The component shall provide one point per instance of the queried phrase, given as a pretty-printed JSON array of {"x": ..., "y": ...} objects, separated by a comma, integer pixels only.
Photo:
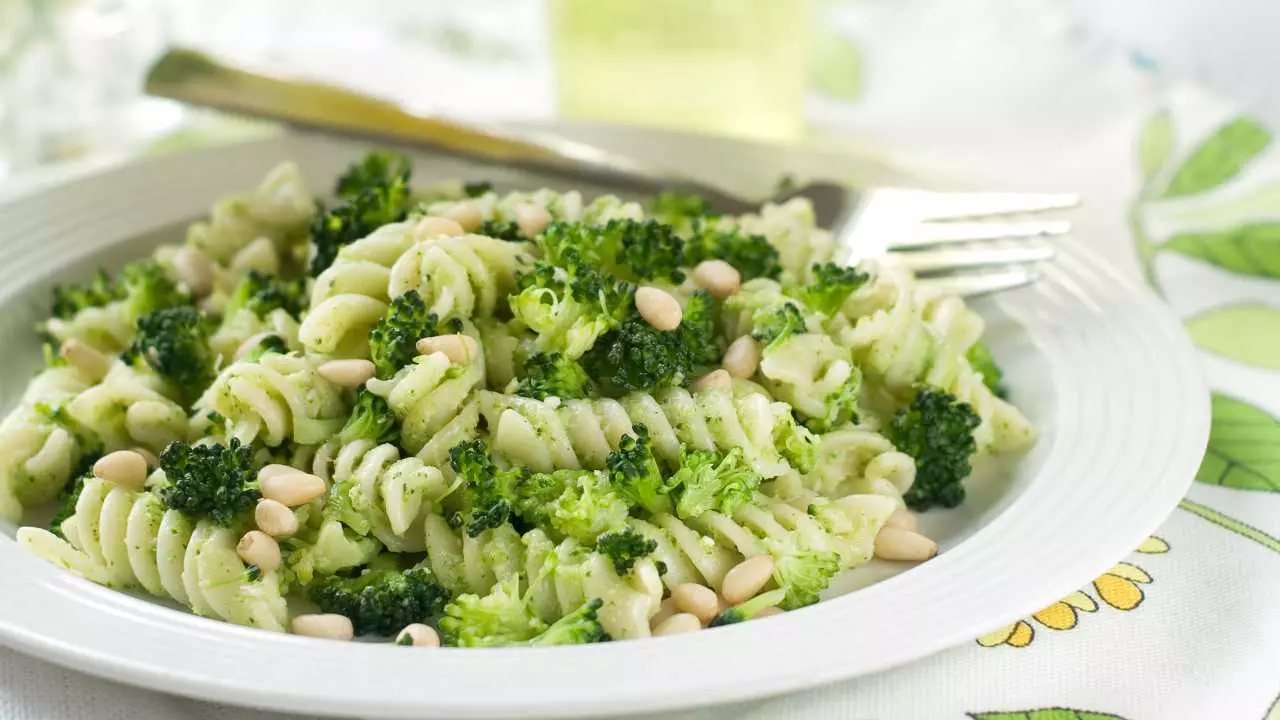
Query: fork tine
[
  {"x": 940, "y": 233},
  {"x": 931, "y": 205},
  {"x": 974, "y": 284},
  {"x": 925, "y": 261}
]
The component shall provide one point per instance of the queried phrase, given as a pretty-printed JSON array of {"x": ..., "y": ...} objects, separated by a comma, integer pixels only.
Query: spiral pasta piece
[
  {"x": 273, "y": 399},
  {"x": 431, "y": 398},
  {"x": 392, "y": 493},
  {"x": 127, "y": 539},
  {"x": 244, "y": 324},
  {"x": 567, "y": 206},
  {"x": 858, "y": 460},
  {"x": 466, "y": 276},
  {"x": 279, "y": 209},
  {"x": 37, "y": 454},
  {"x": 129, "y": 408},
  {"x": 552, "y": 434},
  {"x": 109, "y": 328}
]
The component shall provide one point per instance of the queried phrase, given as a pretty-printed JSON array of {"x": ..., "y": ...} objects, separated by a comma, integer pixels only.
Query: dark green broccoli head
[
  {"x": 371, "y": 419},
  {"x": 633, "y": 250},
  {"x": 381, "y": 602},
  {"x": 773, "y": 326},
  {"x": 393, "y": 340},
  {"x": 70, "y": 299},
  {"x": 477, "y": 189},
  {"x": 144, "y": 284},
  {"x": 487, "y": 491},
  {"x": 502, "y": 230},
  {"x": 577, "y": 628},
  {"x": 831, "y": 286},
  {"x": 372, "y": 193},
  {"x": 624, "y": 547},
  {"x": 751, "y": 255},
  {"x": 674, "y": 207},
  {"x": 937, "y": 430},
  {"x": 581, "y": 504},
  {"x": 214, "y": 482},
  {"x": 709, "y": 481},
  {"x": 638, "y": 357},
  {"x": 65, "y": 504},
  {"x": 377, "y": 169},
  {"x": 175, "y": 343},
  {"x": 553, "y": 375},
  {"x": 981, "y": 359},
  {"x": 268, "y": 344},
  {"x": 635, "y": 473},
  {"x": 260, "y": 293}
]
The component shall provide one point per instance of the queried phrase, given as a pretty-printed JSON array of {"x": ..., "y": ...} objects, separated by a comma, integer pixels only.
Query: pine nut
[
  {"x": 347, "y": 373},
  {"x": 666, "y": 609},
  {"x": 152, "y": 460},
  {"x": 745, "y": 579},
  {"x": 897, "y": 544},
  {"x": 250, "y": 343},
  {"x": 769, "y": 612},
  {"x": 275, "y": 469},
  {"x": 274, "y": 518},
  {"x": 194, "y": 269},
  {"x": 125, "y": 468},
  {"x": 467, "y": 215},
  {"x": 85, "y": 358},
  {"x": 531, "y": 219},
  {"x": 433, "y": 226},
  {"x": 418, "y": 635},
  {"x": 324, "y": 625},
  {"x": 714, "y": 380},
  {"x": 259, "y": 548},
  {"x": 697, "y": 600},
  {"x": 718, "y": 278},
  {"x": 678, "y": 624},
  {"x": 658, "y": 308},
  {"x": 296, "y": 489},
  {"x": 460, "y": 349},
  {"x": 902, "y": 518},
  {"x": 742, "y": 358}
]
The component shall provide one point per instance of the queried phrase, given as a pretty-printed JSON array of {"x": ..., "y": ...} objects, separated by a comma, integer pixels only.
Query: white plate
[{"x": 1105, "y": 374}]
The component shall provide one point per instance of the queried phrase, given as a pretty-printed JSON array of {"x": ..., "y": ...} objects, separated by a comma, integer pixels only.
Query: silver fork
[{"x": 934, "y": 234}]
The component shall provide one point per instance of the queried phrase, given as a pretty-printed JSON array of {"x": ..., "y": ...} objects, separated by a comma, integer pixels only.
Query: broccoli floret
[
  {"x": 708, "y": 481},
  {"x": 634, "y": 472},
  {"x": 371, "y": 419},
  {"x": 488, "y": 491},
  {"x": 832, "y": 285},
  {"x": 674, "y": 207},
  {"x": 65, "y": 504},
  {"x": 631, "y": 249},
  {"x": 937, "y": 430},
  {"x": 372, "y": 193},
  {"x": 570, "y": 306},
  {"x": 751, "y": 255},
  {"x": 801, "y": 573},
  {"x": 580, "y": 504},
  {"x": 750, "y": 608},
  {"x": 554, "y": 375},
  {"x": 381, "y": 602},
  {"x": 981, "y": 359},
  {"x": 393, "y": 340},
  {"x": 217, "y": 482},
  {"x": 639, "y": 357},
  {"x": 70, "y": 299},
  {"x": 477, "y": 189},
  {"x": 260, "y": 293},
  {"x": 624, "y": 547},
  {"x": 502, "y": 230},
  {"x": 345, "y": 503},
  {"x": 143, "y": 284},
  {"x": 175, "y": 343},
  {"x": 772, "y": 327},
  {"x": 502, "y": 617},
  {"x": 268, "y": 344},
  {"x": 577, "y": 628},
  {"x": 798, "y": 446}
]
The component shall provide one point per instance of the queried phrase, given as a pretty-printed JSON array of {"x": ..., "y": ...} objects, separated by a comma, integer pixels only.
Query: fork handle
[{"x": 196, "y": 78}]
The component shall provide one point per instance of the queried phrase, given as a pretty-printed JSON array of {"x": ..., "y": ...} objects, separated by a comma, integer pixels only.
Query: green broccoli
[
  {"x": 635, "y": 473},
  {"x": 502, "y": 230},
  {"x": 268, "y": 344},
  {"x": 346, "y": 503},
  {"x": 802, "y": 574},
  {"x": 752, "y": 256},
  {"x": 674, "y": 207},
  {"x": 70, "y": 299},
  {"x": 749, "y": 609},
  {"x": 624, "y": 547},
  {"x": 373, "y": 192},
  {"x": 477, "y": 189},
  {"x": 394, "y": 339},
  {"x": 579, "y": 627},
  {"x": 638, "y": 357},
  {"x": 832, "y": 285},
  {"x": 175, "y": 343},
  {"x": 580, "y": 504},
  {"x": 980, "y": 357},
  {"x": 68, "y": 496},
  {"x": 797, "y": 445},
  {"x": 488, "y": 491},
  {"x": 260, "y": 293},
  {"x": 709, "y": 481},
  {"x": 144, "y": 285},
  {"x": 634, "y": 250},
  {"x": 502, "y": 617},
  {"x": 570, "y": 306},
  {"x": 217, "y": 482},
  {"x": 773, "y": 326},
  {"x": 379, "y": 601},
  {"x": 371, "y": 419},
  {"x": 937, "y": 430},
  {"x": 553, "y": 375}
]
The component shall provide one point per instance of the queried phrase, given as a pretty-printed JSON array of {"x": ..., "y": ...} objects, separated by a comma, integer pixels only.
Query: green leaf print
[
  {"x": 1219, "y": 158},
  {"x": 1046, "y": 714},
  {"x": 1248, "y": 334},
  {"x": 1247, "y": 250},
  {"x": 1155, "y": 144},
  {"x": 1244, "y": 447}
]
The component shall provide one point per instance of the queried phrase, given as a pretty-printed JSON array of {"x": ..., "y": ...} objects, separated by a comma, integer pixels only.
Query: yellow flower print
[{"x": 1118, "y": 588}]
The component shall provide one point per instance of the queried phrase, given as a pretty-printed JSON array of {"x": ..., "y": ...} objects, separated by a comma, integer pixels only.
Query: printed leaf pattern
[
  {"x": 1155, "y": 144},
  {"x": 1219, "y": 158},
  {"x": 1247, "y": 250},
  {"x": 1248, "y": 334},
  {"x": 1244, "y": 447},
  {"x": 1046, "y": 714}
]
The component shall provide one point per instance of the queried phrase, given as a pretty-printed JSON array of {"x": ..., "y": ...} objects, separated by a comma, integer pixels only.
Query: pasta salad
[{"x": 449, "y": 415}]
